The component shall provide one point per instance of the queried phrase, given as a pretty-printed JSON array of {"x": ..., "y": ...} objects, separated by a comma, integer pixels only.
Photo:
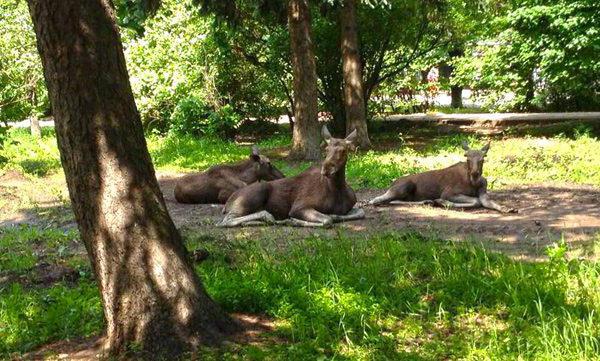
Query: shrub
[{"x": 192, "y": 116}]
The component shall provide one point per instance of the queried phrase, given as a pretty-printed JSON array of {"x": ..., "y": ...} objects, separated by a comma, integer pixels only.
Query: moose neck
[
  {"x": 475, "y": 182},
  {"x": 339, "y": 178}
]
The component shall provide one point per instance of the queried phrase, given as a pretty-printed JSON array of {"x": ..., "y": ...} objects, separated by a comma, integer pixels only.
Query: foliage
[
  {"x": 545, "y": 52},
  {"x": 194, "y": 117},
  {"x": 22, "y": 89}
]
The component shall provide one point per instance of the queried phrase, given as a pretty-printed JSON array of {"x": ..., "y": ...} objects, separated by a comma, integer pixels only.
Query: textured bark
[
  {"x": 150, "y": 293},
  {"x": 353, "y": 82},
  {"x": 306, "y": 138}
]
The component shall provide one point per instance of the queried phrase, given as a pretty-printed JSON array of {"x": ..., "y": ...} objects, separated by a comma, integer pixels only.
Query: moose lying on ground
[
  {"x": 316, "y": 197},
  {"x": 461, "y": 186},
  {"x": 218, "y": 183}
]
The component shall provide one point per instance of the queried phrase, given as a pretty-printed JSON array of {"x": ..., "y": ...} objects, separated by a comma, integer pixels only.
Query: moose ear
[
  {"x": 485, "y": 148},
  {"x": 351, "y": 138},
  {"x": 465, "y": 145},
  {"x": 255, "y": 156},
  {"x": 326, "y": 135}
]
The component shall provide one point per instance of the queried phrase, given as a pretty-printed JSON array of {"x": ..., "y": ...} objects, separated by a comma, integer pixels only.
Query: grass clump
[
  {"x": 17, "y": 246},
  {"x": 32, "y": 317},
  {"x": 514, "y": 160}
]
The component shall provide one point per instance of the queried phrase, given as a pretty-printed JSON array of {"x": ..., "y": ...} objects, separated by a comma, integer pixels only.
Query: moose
[
  {"x": 460, "y": 186},
  {"x": 317, "y": 197},
  {"x": 218, "y": 183}
]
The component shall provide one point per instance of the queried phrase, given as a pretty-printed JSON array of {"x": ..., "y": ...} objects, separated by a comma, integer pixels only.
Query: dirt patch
[{"x": 548, "y": 213}]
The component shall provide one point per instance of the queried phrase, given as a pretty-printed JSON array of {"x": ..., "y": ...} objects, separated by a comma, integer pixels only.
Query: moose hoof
[{"x": 268, "y": 217}]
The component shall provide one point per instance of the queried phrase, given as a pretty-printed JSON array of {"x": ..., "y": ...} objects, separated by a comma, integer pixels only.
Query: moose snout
[{"x": 327, "y": 170}]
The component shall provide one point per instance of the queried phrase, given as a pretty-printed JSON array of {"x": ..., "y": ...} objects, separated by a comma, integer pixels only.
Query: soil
[{"x": 547, "y": 213}]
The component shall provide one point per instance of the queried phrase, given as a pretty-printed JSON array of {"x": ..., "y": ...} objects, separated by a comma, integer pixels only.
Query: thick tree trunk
[
  {"x": 353, "y": 81},
  {"x": 150, "y": 292},
  {"x": 306, "y": 138}
]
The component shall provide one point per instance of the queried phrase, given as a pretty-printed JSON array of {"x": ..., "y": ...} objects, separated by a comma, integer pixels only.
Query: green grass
[
  {"x": 514, "y": 160},
  {"x": 391, "y": 296},
  {"x": 17, "y": 246},
  {"x": 32, "y": 317},
  {"x": 37, "y": 157}
]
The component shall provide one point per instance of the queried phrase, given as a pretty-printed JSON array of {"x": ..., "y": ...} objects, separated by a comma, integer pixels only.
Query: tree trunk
[
  {"x": 150, "y": 293},
  {"x": 306, "y": 138},
  {"x": 456, "y": 96},
  {"x": 34, "y": 125},
  {"x": 353, "y": 82},
  {"x": 455, "y": 89}
]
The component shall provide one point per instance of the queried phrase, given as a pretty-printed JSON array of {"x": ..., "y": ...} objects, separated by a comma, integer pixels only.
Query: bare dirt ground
[{"x": 547, "y": 213}]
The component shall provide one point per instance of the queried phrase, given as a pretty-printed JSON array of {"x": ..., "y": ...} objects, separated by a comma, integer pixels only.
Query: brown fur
[
  {"x": 460, "y": 185},
  {"x": 218, "y": 183},
  {"x": 315, "y": 196}
]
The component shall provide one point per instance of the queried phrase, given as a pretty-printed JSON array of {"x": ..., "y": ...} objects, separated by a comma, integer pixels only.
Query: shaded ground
[
  {"x": 256, "y": 330},
  {"x": 547, "y": 213}
]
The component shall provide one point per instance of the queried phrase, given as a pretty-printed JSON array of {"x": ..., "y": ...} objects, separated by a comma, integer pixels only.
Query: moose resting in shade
[
  {"x": 218, "y": 183},
  {"x": 316, "y": 197},
  {"x": 460, "y": 186}
]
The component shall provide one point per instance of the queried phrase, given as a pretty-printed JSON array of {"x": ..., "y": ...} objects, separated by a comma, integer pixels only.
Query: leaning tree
[{"x": 150, "y": 293}]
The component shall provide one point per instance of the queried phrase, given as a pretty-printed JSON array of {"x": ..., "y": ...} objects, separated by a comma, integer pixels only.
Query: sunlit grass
[{"x": 513, "y": 160}]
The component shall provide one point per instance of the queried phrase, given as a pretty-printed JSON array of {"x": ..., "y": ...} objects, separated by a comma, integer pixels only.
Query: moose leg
[
  {"x": 310, "y": 217},
  {"x": 397, "y": 194},
  {"x": 232, "y": 221},
  {"x": 459, "y": 201},
  {"x": 354, "y": 214},
  {"x": 384, "y": 198},
  {"x": 490, "y": 204}
]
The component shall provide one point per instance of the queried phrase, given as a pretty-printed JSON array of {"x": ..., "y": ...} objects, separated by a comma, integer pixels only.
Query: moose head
[
  {"x": 336, "y": 152},
  {"x": 475, "y": 158},
  {"x": 263, "y": 167}
]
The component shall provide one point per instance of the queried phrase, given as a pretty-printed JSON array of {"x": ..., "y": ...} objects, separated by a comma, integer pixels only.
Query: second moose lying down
[
  {"x": 318, "y": 196},
  {"x": 461, "y": 186},
  {"x": 219, "y": 182}
]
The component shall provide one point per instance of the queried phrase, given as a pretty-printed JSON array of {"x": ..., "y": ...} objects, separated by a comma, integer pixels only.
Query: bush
[
  {"x": 192, "y": 116},
  {"x": 224, "y": 122}
]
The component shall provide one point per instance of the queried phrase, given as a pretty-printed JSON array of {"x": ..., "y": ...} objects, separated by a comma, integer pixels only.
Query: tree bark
[
  {"x": 150, "y": 293},
  {"x": 306, "y": 136},
  {"x": 34, "y": 125},
  {"x": 456, "y": 96},
  {"x": 455, "y": 89},
  {"x": 353, "y": 82}
]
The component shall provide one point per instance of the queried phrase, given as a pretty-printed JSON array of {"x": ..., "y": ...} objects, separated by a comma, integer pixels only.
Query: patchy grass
[
  {"x": 391, "y": 296},
  {"x": 513, "y": 160},
  {"x": 22, "y": 152}
]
